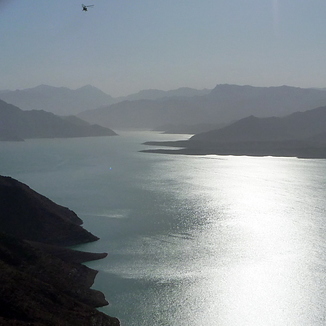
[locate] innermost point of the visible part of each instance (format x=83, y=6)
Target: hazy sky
x=123, y=46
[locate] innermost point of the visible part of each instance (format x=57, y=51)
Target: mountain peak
x=59, y=100
x=87, y=87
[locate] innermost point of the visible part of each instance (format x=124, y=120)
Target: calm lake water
x=192, y=240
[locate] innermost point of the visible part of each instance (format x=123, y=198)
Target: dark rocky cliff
x=28, y=215
x=42, y=282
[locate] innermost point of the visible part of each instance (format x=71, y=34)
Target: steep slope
x=40, y=289
x=299, y=125
x=17, y=124
x=42, y=282
x=28, y=215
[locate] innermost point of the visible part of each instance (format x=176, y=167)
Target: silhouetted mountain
x=28, y=215
x=65, y=101
x=150, y=109
x=16, y=124
x=297, y=126
x=43, y=284
x=224, y=104
x=301, y=134
x=58, y=100
x=263, y=101
x=147, y=114
x=155, y=94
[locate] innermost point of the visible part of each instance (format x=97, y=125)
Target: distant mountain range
x=300, y=134
x=65, y=101
x=16, y=124
x=155, y=94
x=222, y=105
x=58, y=100
x=186, y=109
x=298, y=125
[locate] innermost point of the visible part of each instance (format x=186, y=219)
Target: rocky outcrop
x=40, y=288
x=42, y=282
x=68, y=255
x=28, y=215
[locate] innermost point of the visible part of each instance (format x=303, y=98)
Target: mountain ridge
x=150, y=109
x=16, y=124
x=223, y=105
x=300, y=134
x=66, y=101
x=58, y=100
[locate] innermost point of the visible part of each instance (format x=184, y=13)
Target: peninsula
x=42, y=281
x=300, y=134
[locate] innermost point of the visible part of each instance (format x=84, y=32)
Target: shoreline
x=258, y=149
x=43, y=280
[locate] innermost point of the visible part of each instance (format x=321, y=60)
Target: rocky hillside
x=42, y=282
x=28, y=215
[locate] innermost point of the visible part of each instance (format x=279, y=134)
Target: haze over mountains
x=16, y=124
x=224, y=104
x=183, y=110
x=65, y=101
x=155, y=109
x=58, y=100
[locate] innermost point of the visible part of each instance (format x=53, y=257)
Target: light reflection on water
x=264, y=271
x=246, y=245
x=192, y=240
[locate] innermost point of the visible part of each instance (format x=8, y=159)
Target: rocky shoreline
x=43, y=281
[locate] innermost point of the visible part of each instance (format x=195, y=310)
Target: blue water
x=192, y=240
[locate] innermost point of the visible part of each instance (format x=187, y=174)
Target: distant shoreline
x=239, y=149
